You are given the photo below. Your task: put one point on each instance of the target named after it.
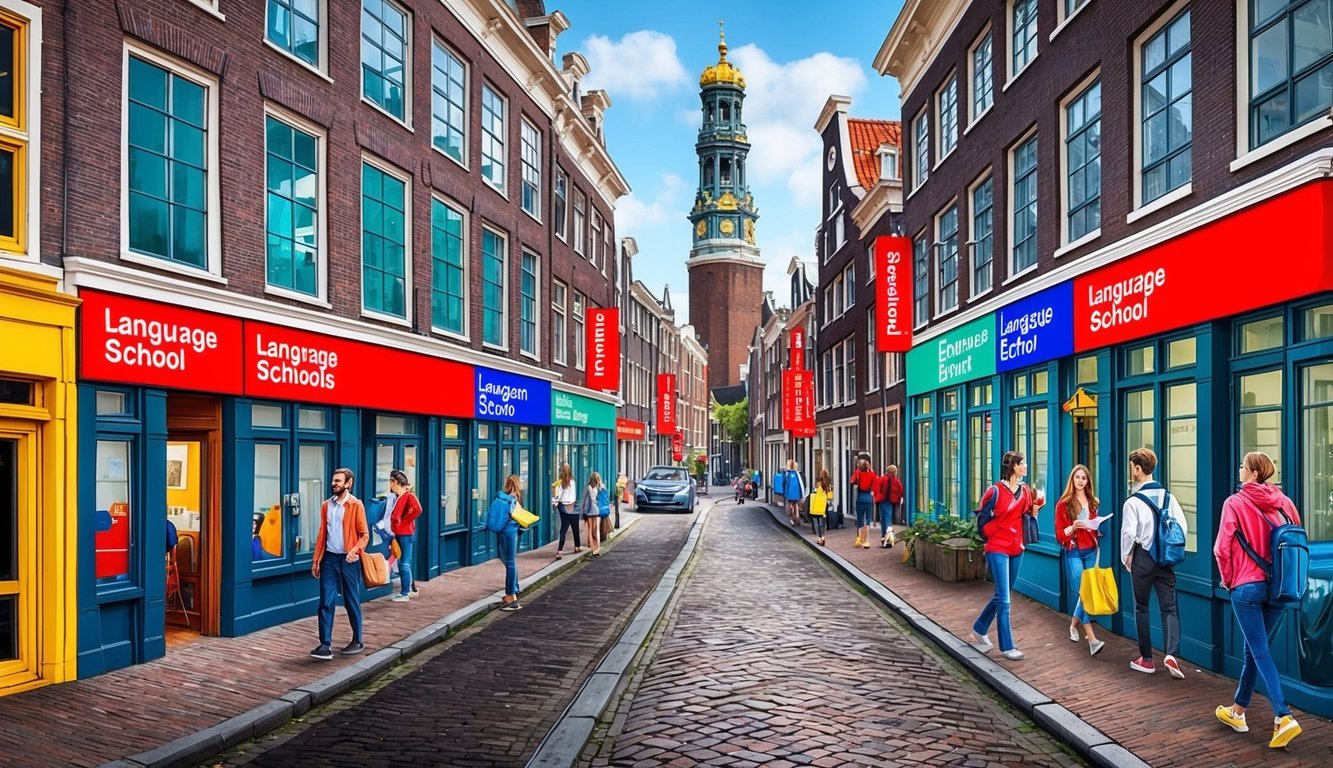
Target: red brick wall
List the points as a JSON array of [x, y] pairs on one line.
[[724, 310]]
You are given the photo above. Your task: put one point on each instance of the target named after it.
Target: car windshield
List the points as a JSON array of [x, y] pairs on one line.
[[666, 473]]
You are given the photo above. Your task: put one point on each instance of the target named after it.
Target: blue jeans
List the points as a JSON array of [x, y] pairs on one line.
[[1004, 570], [885, 517], [1076, 561], [337, 576], [405, 544], [1257, 621], [865, 508], [508, 545]]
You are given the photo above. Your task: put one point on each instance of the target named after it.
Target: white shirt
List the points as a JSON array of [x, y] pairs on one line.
[[565, 494], [1138, 525], [333, 527]]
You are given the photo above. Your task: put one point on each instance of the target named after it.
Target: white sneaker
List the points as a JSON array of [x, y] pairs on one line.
[[1173, 667], [1073, 634], [1013, 654], [401, 598], [1095, 646], [982, 642]]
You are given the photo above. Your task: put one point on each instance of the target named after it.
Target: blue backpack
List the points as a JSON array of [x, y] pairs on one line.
[[780, 483], [1168, 541], [498, 517], [603, 502], [987, 511], [1289, 572]]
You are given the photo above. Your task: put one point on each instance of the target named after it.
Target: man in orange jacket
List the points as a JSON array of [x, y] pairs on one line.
[[343, 536]]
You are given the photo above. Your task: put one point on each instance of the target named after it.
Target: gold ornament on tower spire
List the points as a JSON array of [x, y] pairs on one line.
[[723, 72]]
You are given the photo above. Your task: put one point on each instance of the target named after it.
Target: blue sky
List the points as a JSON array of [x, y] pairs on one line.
[[648, 57]]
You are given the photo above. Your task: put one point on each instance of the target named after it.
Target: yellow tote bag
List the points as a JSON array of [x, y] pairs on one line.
[[523, 517], [1099, 593]]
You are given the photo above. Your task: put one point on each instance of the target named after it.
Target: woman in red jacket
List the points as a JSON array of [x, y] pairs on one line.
[[863, 490], [1078, 535], [1004, 549], [403, 520], [1252, 512]]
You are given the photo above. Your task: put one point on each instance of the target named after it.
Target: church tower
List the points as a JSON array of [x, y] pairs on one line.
[[726, 273]]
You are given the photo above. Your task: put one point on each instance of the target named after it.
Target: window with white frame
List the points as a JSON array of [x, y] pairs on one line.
[[293, 226], [1023, 202], [1166, 122], [828, 306], [839, 374], [872, 360], [608, 248], [493, 138], [561, 213], [494, 277], [1291, 66], [531, 155], [385, 41], [294, 26], [920, 280], [983, 236], [888, 163], [893, 368], [921, 145], [580, 343], [580, 233], [171, 187], [983, 77], [595, 237], [849, 283], [527, 304], [384, 240], [947, 103], [946, 248], [839, 296], [448, 104], [850, 344], [559, 331], [826, 391], [448, 292], [1023, 34], [1083, 162]]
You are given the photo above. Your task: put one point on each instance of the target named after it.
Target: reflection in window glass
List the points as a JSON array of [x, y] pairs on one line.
[[395, 425], [9, 510], [1261, 416], [1317, 448], [1020, 385], [314, 473], [1261, 334], [267, 533], [1141, 360], [1319, 323], [410, 464], [112, 511], [383, 466], [1182, 456]]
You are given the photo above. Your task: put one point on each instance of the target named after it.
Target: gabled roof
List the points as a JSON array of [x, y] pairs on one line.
[[866, 137]]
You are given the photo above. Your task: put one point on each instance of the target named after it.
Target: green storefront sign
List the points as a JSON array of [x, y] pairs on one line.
[[570, 410], [963, 354]]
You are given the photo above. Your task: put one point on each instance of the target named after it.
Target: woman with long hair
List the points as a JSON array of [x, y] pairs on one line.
[[403, 521], [1248, 518], [563, 496], [1004, 548], [1079, 550], [863, 485], [592, 515], [501, 510], [821, 498]]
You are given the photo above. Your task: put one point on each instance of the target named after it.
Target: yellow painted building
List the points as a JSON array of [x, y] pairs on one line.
[[38, 519]]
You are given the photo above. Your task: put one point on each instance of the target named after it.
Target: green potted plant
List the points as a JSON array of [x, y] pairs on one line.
[[945, 545]]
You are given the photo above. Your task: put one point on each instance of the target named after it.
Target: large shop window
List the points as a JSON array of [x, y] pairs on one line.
[[951, 471], [981, 439], [1317, 449], [921, 485], [1030, 417], [116, 483], [293, 453]]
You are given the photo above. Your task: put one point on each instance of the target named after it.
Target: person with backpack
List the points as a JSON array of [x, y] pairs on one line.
[[500, 521], [1000, 523], [1249, 565], [888, 494], [1152, 538], [793, 490], [863, 485], [821, 499], [590, 511]]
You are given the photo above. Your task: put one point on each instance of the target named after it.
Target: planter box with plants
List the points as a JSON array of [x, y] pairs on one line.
[[946, 547]]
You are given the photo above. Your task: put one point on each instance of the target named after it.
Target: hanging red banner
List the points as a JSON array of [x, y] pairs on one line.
[[893, 294], [797, 353], [603, 331], [797, 401], [666, 403]]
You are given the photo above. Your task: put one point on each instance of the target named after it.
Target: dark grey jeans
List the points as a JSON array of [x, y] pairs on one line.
[[1146, 576]]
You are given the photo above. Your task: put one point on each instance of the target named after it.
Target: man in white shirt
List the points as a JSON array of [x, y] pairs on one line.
[[1137, 532]]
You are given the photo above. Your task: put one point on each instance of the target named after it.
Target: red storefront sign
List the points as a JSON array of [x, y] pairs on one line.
[[797, 354], [666, 403], [797, 402], [603, 332], [287, 364], [144, 342], [1267, 254], [677, 447], [893, 294], [630, 430]]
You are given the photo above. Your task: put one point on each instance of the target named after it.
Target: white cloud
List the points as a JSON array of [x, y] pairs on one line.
[[635, 214], [641, 65]]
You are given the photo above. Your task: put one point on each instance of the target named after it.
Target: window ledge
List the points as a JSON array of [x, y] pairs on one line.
[[1282, 142], [304, 298], [1060, 27], [407, 108], [495, 347], [1014, 77], [1175, 195], [983, 113], [979, 294], [438, 331], [460, 163], [945, 156], [497, 189], [535, 217], [208, 8], [1082, 241], [302, 62], [916, 188], [531, 357], [371, 314], [170, 266], [1020, 275], [944, 314]]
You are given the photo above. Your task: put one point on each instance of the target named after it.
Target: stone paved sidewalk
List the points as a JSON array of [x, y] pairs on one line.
[[1166, 722]]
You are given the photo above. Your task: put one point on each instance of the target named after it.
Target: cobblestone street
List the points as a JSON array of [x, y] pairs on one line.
[[769, 659]]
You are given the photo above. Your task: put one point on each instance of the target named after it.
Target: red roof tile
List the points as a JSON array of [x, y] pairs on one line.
[[867, 136]]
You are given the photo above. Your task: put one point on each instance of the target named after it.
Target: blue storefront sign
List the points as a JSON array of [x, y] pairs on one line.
[[509, 397], [1036, 329]]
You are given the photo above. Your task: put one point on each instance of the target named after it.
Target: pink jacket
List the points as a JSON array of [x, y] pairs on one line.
[[1241, 511]]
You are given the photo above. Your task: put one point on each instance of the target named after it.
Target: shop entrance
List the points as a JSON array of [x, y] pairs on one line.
[[18, 632], [193, 474]]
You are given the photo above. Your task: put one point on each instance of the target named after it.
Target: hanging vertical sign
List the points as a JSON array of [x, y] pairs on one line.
[[603, 344], [808, 421], [666, 403], [797, 402], [893, 294], [797, 353]]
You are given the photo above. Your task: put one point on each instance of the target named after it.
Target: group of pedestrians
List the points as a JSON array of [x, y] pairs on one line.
[[588, 513], [1152, 536]]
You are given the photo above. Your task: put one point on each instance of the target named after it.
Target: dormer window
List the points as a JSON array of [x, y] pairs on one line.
[[888, 164]]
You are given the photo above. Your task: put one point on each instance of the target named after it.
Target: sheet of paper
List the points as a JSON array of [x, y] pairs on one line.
[[1096, 522]]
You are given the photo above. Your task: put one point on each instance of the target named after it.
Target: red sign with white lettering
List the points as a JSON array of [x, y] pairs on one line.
[[797, 354], [797, 401], [630, 430], [666, 403], [286, 364], [893, 294], [144, 342], [1273, 252], [603, 331], [677, 446]]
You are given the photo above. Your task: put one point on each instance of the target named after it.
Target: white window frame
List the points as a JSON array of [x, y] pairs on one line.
[[1011, 46], [461, 209], [920, 165], [1076, 93], [214, 225], [579, 313], [849, 369], [534, 354], [28, 101], [973, 242], [1010, 198], [408, 305], [872, 361], [561, 221], [535, 149], [889, 168], [893, 368], [594, 237], [974, 114], [849, 283], [408, 85], [938, 258], [559, 309], [946, 128], [1063, 16], [323, 23], [919, 319], [322, 228], [437, 42], [502, 188], [839, 296], [1138, 208], [504, 287], [580, 225], [209, 6]]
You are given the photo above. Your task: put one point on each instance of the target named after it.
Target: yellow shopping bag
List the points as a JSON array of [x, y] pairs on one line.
[[1099, 593]]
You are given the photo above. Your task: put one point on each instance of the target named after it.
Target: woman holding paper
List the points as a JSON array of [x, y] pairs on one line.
[[1076, 528]]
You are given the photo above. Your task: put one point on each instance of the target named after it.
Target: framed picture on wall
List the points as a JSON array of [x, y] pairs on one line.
[[177, 457]]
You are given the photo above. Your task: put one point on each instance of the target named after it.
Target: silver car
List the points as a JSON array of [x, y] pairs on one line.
[[666, 488]]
